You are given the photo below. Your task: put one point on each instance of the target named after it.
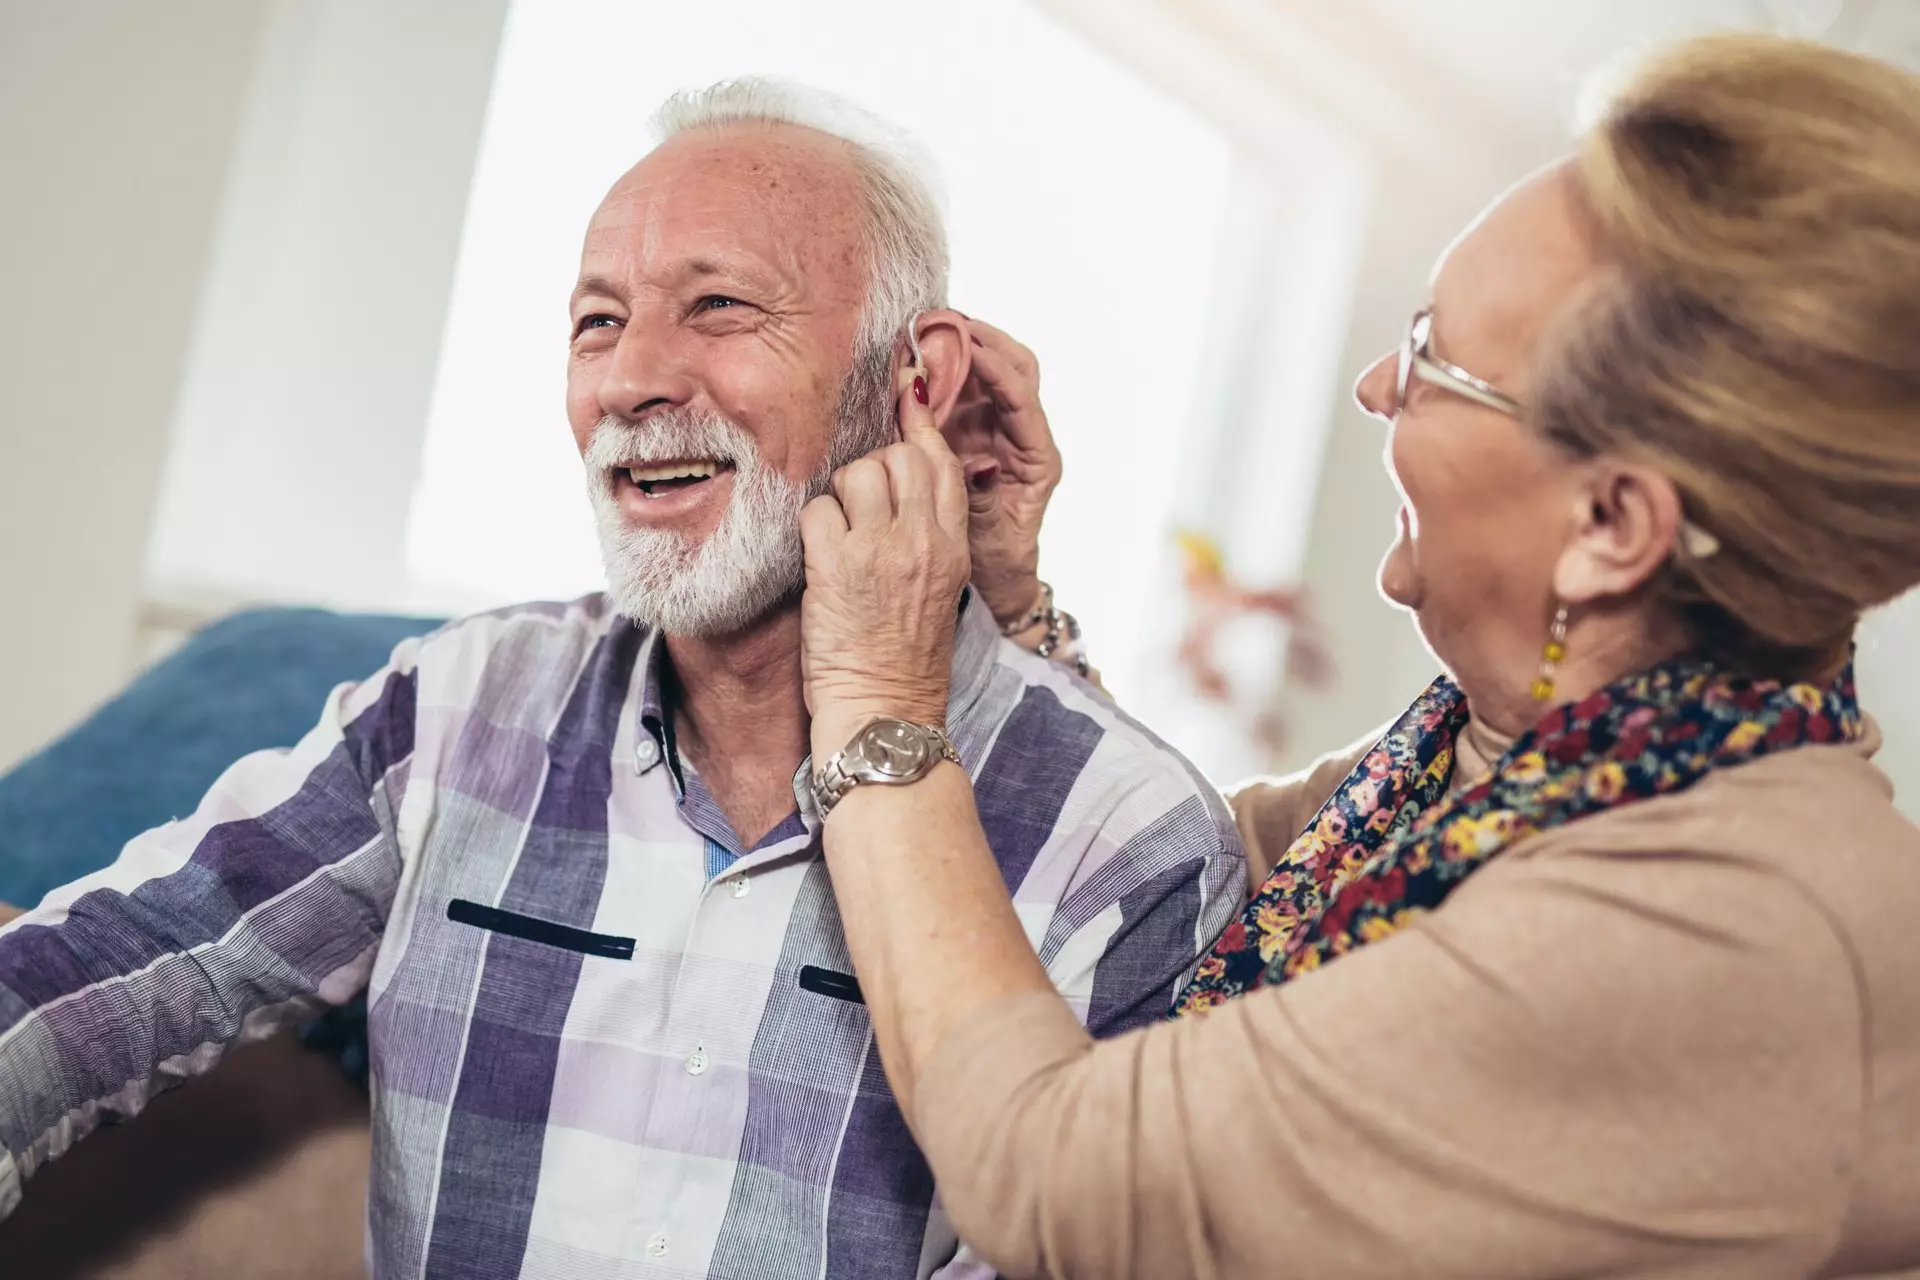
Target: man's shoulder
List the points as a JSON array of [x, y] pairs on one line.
[[517, 647], [1113, 842], [1056, 732], [536, 624]]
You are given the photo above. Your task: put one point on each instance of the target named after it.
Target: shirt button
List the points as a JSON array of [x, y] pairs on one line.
[[739, 886], [697, 1062], [645, 752], [657, 1245]]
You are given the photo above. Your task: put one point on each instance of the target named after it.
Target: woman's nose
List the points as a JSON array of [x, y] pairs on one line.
[[1374, 389]]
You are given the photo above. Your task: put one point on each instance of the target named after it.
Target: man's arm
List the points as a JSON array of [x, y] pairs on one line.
[[265, 904], [1139, 918]]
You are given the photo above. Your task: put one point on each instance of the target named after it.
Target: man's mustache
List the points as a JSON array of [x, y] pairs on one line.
[[678, 435]]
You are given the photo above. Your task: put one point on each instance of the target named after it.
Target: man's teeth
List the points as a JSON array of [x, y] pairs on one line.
[[676, 471]]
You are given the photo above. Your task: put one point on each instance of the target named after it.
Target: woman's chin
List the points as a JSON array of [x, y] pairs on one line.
[[1398, 581]]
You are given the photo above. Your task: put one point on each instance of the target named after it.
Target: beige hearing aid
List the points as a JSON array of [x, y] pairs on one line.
[[913, 339]]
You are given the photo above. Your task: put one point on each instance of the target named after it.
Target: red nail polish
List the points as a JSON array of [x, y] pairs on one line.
[[920, 389]]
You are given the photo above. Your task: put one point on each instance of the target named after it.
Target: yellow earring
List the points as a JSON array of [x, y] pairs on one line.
[[1551, 655]]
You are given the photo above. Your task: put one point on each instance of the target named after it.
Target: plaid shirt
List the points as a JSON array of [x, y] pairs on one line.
[[607, 1039]]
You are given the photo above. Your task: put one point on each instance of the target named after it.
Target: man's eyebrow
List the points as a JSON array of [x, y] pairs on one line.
[[594, 286], [745, 270], [693, 269]]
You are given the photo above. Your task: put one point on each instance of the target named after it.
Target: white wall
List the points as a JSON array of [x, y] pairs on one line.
[[297, 441], [116, 118], [1380, 664], [1413, 152], [227, 248]]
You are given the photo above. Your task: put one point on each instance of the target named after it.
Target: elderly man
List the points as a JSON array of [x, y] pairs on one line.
[[572, 851]]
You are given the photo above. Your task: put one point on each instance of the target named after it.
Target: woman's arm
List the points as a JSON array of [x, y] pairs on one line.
[[936, 922], [1616, 1064], [886, 563]]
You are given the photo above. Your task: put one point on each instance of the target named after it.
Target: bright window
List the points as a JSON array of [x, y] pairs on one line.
[[1086, 210]]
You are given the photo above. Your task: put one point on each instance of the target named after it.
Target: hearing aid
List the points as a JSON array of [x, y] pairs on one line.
[[913, 339]]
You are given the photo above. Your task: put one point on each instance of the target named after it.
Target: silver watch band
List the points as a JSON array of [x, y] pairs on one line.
[[832, 781]]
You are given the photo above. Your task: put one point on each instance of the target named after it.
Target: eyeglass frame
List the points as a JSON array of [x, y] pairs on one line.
[[1417, 360]]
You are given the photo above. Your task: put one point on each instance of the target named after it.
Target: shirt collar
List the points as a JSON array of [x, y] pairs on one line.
[[975, 644], [651, 667]]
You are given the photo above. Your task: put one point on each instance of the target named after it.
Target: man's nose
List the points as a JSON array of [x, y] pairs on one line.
[[645, 374], [1375, 388]]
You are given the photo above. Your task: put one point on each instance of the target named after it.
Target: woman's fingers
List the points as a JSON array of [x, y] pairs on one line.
[[822, 522], [940, 481], [911, 476], [886, 559], [1004, 345], [1010, 389], [1016, 396], [916, 478], [864, 492]]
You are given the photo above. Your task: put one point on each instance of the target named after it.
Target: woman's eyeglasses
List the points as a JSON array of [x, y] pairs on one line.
[[1418, 361]]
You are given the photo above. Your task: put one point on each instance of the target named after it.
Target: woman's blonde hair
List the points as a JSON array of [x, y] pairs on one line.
[[1758, 202]]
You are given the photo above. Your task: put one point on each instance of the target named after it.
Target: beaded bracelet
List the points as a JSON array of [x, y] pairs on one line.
[[1034, 616], [1064, 638]]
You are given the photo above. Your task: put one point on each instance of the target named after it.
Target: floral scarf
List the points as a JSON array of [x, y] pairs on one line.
[[1392, 842]]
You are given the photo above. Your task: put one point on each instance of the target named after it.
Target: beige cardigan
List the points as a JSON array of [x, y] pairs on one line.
[[1679, 1039]]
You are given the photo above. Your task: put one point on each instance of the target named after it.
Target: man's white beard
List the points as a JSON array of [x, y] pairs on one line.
[[752, 562]]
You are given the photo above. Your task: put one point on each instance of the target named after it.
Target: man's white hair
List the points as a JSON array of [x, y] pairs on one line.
[[906, 234]]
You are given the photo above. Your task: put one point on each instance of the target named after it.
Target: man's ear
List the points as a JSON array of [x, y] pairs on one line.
[[946, 354], [1623, 531]]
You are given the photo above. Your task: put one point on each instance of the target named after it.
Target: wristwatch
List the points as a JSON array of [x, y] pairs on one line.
[[889, 752]]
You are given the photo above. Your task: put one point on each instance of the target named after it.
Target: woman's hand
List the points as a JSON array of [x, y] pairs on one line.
[[929, 926], [886, 557], [1000, 433]]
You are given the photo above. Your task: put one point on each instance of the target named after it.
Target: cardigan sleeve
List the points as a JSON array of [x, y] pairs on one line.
[[1634, 1063]]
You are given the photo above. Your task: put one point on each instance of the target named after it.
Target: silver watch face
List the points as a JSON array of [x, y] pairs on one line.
[[893, 749]]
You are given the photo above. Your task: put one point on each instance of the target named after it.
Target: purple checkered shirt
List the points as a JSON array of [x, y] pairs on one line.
[[655, 1088]]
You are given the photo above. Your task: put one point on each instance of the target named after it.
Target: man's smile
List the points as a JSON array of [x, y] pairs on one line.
[[672, 476], [669, 493]]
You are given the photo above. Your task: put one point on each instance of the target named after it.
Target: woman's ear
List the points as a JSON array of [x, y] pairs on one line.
[[946, 356], [1623, 531]]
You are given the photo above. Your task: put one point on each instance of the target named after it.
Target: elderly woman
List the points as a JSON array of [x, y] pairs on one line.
[[1601, 960]]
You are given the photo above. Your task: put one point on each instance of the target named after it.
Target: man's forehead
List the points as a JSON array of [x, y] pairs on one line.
[[777, 193]]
